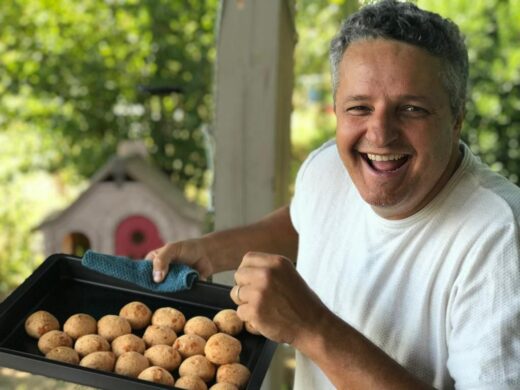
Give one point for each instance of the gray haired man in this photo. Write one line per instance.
(407, 246)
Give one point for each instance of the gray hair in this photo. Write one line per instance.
(402, 21)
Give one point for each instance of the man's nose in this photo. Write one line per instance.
(382, 128)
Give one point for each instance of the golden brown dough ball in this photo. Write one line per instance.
(157, 375)
(80, 324)
(234, 373)
(40, 322)
(189, 345)
(251, 329)
(112, 326)
(222, 348)
(223, 386)
(201, 326)
(191, 383)
(199, 366)
(131, 364)
(104, 361)
(126, 343)
(137, 314)
(91, 343)
(53, 339)
(227, 321)
(163, 356)
(157, 334)
(63, 354)
(168, 316)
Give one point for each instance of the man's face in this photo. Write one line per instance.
(395, 132)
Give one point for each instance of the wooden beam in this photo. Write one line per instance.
(254, 80)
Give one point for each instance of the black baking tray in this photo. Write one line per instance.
(62, 286)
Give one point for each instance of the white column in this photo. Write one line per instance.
(254, 81)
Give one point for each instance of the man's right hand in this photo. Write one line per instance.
(223, 250)
(192, 252)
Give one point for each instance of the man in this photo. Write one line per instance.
(407, 246)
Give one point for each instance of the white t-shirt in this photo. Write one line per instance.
(439, 291)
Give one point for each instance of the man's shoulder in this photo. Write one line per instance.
(326, 152)
(322, 175)
(325, 157)
(495, 193)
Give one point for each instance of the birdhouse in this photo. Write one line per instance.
(129, 208)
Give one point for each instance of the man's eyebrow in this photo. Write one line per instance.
(358, 98)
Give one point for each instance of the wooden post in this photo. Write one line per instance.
(254, 82)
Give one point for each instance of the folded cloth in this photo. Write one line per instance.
(179, 276)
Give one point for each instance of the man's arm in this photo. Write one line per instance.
(223, 250)
(350, 360)
(275, 299)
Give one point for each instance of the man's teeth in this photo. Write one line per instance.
(384, 157)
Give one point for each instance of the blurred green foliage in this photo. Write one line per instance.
(313, 122)
(71, 72)
(70, 78)
(492, 125)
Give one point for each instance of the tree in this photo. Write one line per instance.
(313, 121)
(69, 92)
(492, 125)
(72, 71)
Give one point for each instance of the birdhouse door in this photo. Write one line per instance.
(136, 236)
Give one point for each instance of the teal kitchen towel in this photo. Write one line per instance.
(179, 277)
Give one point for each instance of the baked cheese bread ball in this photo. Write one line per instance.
(111, 326)
(53, 339)
(158, 334)
(227, 321)
(223, 386)
(163, 356)
(189, 345)
(126, 343)
(79, 325)
(168, 316)
(191, 383)
(234, 373)
(41, 322)
(63, 354)
(131, 364)
(104, 361)
(157, 375)
(201, 326)
(91, 343)
(199, 366)
(137, 314)
(222, 348)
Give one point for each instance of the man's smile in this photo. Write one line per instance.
(385, 163)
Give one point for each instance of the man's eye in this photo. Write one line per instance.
(358, 110)
(414, 110)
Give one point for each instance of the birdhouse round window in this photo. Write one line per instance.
(136, 236)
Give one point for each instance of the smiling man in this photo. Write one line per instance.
(407, 246)
(396, 133)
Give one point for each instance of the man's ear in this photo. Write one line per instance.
(457, 124)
